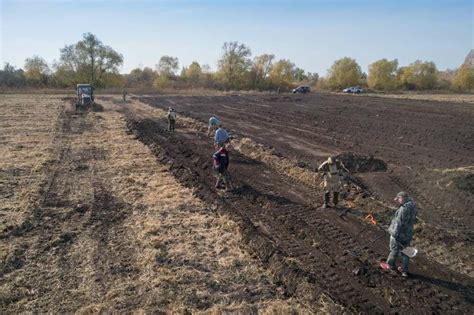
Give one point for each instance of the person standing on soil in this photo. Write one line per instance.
(401, 233)
(332, 175)
(213, 124)
(171, 119)
(124, 95)
(221, 137)
(220, 163)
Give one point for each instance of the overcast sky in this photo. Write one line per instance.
(312, 34)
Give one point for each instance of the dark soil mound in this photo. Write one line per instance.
(361, 163)
(96, 107)
(465, 183)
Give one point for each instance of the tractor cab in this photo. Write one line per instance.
(85, 95)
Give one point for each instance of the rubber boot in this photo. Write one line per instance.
(326, 199)
(335, 198)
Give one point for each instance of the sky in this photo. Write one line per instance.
(312, 34)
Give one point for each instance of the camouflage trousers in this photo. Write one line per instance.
(223, 178)
(332, 183)
(171, 124)
(395, 250)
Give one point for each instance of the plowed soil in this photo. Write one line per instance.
(294, 234)
(118, 214)
(422, 147)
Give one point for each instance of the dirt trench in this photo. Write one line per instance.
(307, 248)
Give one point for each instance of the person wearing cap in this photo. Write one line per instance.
(331, 170)
(213, 124)
(221, 137)
(401, 232)
(171, 119)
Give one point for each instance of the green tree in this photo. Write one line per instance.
(141, 77)
(418, 75)
(383, 75)
(11, 77)
(194, 71)
(299, 74)
(234, 64)
(89, 60)
(37, 70)
(260, 69)
(168, 66)
(464, 78)
(343, 73)
(282, 73)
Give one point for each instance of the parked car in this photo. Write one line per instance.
(353, 89)
(302, 89)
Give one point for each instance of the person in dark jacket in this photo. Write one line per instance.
(171, 119)
(220, 162)
(401, 232)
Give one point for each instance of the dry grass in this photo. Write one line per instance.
(455, 98)
(27, 136)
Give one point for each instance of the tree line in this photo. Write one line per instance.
(91, 61)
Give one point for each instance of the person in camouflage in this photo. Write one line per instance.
(332, 174)
(171, 119)
(401, 232)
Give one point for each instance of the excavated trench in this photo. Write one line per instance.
(308, 249)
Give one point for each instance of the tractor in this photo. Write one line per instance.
(85, 96)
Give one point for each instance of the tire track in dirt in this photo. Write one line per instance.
(73, 206)
(184, 152)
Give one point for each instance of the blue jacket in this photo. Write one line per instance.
(221, 136)
(213, 121)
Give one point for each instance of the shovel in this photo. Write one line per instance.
(409, 251)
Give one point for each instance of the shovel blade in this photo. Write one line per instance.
(410, 251)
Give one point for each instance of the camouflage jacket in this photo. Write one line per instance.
(401, 227)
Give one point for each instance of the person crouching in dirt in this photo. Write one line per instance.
(332, 175)
(221, 138)
(213, 125)
(171, 119)
(401, 233)
(220, 163)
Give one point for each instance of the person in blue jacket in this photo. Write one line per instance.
(213, 124)
(221, 137)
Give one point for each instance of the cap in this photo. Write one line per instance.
(402, 194)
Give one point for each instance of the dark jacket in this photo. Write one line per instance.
(220, 160)
(401, 227)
